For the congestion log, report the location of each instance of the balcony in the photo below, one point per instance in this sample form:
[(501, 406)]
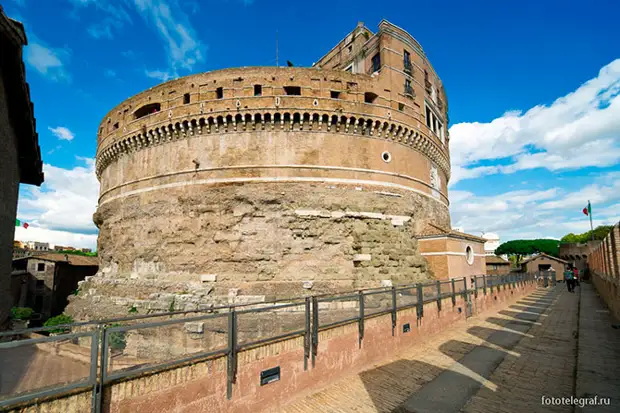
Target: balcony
[(408, 67), (373, 68), (409, 92)]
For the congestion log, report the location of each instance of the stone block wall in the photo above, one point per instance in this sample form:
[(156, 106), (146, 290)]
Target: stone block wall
[(604, 265)]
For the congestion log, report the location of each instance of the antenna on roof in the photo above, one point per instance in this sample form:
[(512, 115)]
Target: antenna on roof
[(277, 48)]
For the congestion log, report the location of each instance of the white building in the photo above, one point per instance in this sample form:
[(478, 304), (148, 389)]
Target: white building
[(38, 246), (492, 242)]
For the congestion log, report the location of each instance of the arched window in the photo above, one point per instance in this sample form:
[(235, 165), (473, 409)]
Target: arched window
[(147, 110)]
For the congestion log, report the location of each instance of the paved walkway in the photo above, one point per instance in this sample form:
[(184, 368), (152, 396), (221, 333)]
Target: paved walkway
[(505, 362)]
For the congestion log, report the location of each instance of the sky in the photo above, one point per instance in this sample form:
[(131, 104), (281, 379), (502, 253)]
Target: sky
[(533, 90)]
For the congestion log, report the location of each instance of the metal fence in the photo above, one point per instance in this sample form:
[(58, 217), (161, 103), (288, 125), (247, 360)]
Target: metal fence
[(119, 348)]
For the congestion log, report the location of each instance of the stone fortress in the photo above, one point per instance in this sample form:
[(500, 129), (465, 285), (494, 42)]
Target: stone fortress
[(255, 183)]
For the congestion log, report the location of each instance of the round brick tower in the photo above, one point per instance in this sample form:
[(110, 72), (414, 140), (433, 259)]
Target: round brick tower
[(272, 181)]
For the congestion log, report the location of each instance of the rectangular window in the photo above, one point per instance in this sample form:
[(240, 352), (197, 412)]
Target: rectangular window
[(292, 90), (407, 62), (428, 118), (115, 126), (401, 106), (335, 94), (40, 266), (369, 97), (219, 92), (376, 62), (258, 90), (349, 69), (408, 87), (186, 98)]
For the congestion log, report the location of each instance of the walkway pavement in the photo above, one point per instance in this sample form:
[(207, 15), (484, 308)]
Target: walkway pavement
[(505, 362)]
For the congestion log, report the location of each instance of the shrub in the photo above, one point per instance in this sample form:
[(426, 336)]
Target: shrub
[(59, 320), (117, 339), (21, 313)]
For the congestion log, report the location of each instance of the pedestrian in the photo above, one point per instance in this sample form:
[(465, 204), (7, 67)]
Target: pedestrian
[(568, 278), (575, 277)]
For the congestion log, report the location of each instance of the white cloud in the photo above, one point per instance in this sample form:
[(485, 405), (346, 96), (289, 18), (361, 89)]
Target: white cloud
[(62, 133), (64, 203), (173, 26), (100, 31), (109, 73), (56, 237), (578, 130), (158, 74), (546, 213), (48, 61)]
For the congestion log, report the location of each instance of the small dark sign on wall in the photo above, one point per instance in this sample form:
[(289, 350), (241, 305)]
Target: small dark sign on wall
[(406, 328), (269, 376)]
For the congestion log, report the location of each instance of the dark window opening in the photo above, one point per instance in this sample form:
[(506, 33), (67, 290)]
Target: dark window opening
[(335, 94), (401, 106), (219, 92), (40, 283), (370, 97), (38, 304), (147, 110), (40, 266), (292, 90), (408, 87), (428, 117), (186, 98), (407, 62), (349, 69), (101, 130), (376, 62), (258, 90), (115, 126)]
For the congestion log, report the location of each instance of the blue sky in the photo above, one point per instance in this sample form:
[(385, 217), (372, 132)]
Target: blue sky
[(533, 90)]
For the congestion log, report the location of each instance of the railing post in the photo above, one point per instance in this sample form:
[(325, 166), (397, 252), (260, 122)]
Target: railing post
[(232, 353), (484, 284), (475, 287), (491, 285), (420, 301), (465, 290), (361, 319), (394, 307), (453, 292), (439, 295), (94, 360), (307, 334), (315, 329)]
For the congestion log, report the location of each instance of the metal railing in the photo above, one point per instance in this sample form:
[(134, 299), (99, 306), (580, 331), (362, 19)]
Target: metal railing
[(225, 331)]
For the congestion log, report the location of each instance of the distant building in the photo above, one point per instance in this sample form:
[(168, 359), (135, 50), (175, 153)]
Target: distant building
[(38, 246), (86, 250), (492, 243), (497, 265), (543, 262), (577, 254), (44, 282), (20, 155)]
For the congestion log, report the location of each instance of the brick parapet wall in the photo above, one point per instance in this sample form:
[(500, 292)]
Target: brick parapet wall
[(604, 265), (202, 386)]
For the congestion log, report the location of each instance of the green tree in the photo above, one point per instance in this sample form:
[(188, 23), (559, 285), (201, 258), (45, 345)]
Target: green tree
[(600, 233), (520, 247)]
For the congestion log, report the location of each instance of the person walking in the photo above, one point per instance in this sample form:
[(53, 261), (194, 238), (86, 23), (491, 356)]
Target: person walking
[(568, 278), (575, 277)]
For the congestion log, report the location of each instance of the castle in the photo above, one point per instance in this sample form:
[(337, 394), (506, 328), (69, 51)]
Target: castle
[(278, 181)]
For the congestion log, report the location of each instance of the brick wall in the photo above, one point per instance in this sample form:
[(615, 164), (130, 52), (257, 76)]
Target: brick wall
[(604, 266)]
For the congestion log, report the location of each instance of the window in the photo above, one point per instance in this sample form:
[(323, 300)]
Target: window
[(335, 94), (428, 117), (469, 255), (408, 87), (292, 90), (407, 62), (376, 62), (386, 156), (370, 97), (219, 92), (258, 90), (40, 283), (115, 126), (186, 98), (147, 110), (349, 69), (401, 106), (434, 124), (40, 267)]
